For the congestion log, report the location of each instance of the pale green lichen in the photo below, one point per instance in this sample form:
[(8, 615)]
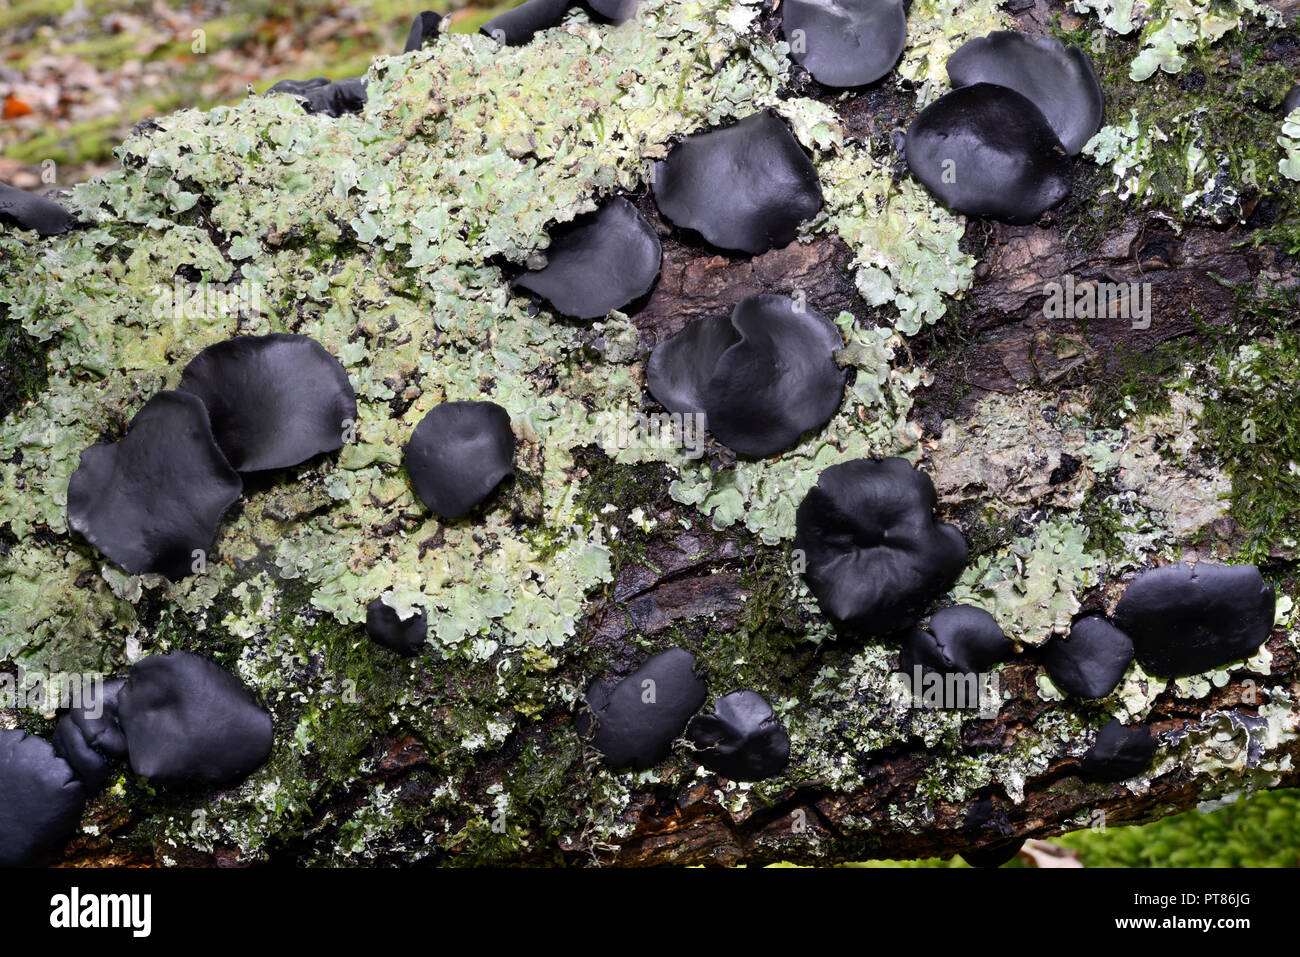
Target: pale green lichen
[(1289, 140), (935, 29)]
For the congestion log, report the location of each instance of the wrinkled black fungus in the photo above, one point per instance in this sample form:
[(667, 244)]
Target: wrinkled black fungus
[(742, 740), (1091, 661), (29, 211), (319, 95), (962, 640), (151, 500), (762, 376), (845, 43), (1118, 752), (520, 24), (458, 454), (600, 262), (1186, 620), (876, 557), (985, 150), (1057, 79), (744, 187), (88, 735), (274, 401), (386, 627), (41, 799), (187, 719), (637, 719), (425, 27), (993, 855)]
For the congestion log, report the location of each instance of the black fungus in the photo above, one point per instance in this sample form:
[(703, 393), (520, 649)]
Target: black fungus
[(187, 719), (600, 262), (1118, 752), (1291, 102), (742, 740), (152, 500), (762, 376), (961, 640), (520, 24), (616, 10), (1184, 620), (274, 401), (425, 27), (89, 734), (1091, 661), (637, 719), (876, 557), (29, 211), (458, 454), (41, 799), (744, 187), (386, 627), (985, 150), (993, 855), (845, 43), (320, 95), (1057, 79)]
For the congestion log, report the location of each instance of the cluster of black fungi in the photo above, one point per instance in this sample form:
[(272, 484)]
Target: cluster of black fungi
[(876, 558)]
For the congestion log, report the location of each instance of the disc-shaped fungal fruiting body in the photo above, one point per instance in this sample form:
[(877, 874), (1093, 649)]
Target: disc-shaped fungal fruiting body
[(425, 27), (89, 735), (520, 24), (742, 740), (153, 501), (41, 799), (744, 187), (960, 640), (28, 211), (615, 10), (320, 95), (637, 719), (1291, 102), (1184, 620), (458, 455), (187, 719), (1118, 752), (1091, 661), (875, 555), (985, 150), (386, 627), (274, 401), (845, 43), (1057, 79), (598, 263), (993, 855), (762, 376)]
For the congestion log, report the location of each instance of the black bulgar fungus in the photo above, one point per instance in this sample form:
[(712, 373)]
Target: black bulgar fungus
[(742, 740), (762, 376), (875, 555), (598, 263), (1291, 102), (986, 150), (637, 719), (1057, 79), (845, 43), (386, 627), (993, 855), (744, 187), (274, 401), (960, 640), (458, 455), (520, 24), (426, 26), (320, 95), (1118, 752), (1184, 620), (150, 501), (29, 211), (615, 10), (88, 735), (187, 719), (41, 799), (1091, 661)]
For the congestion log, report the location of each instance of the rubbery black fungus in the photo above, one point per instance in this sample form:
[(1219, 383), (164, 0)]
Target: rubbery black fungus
[(1291, 101), (1057, 79), (742, 740), (150, 501), (637, 719), (845, 43), (1184, 620), (985, 150), (744, 187), (41, 799), (386, 627), (520, 24), (876, 557), (88, 735), (29, 211), (458, 454), (1118, 752), (993, 855), (274, 401), (616, 10), (319, 95), (425, 27), (598, 263), (1091, 661), (187, 719), (762, 376), (960, 640)]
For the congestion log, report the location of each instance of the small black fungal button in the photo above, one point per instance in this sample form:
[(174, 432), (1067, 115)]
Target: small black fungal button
[(458, 455), (386, 627), (1291, 102), (41, 799), (520, 24), (29, 211), (320, 95), (1118, 752), (742, 740), (1091, 661), (89, 735), (845, 43), (993, 855), (426, 26), (961, 640)]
